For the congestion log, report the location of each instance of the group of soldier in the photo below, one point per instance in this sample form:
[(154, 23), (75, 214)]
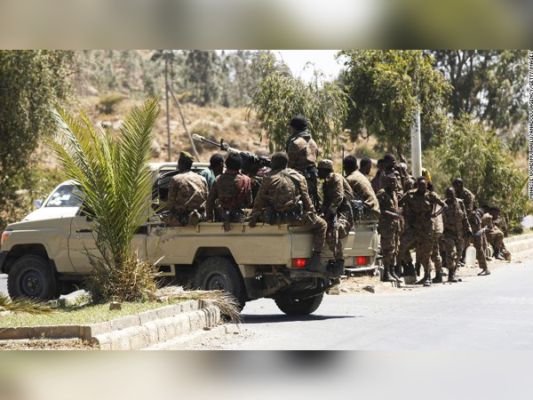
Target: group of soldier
[(409, 214)]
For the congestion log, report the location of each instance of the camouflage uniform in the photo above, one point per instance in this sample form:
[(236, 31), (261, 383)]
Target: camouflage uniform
[(495, 239), (283, 198), (389, 227), (456, 224), (478, 237), (419, 227), (362, 190), (438, 230), (337, 194), (187, 196), (303, 152), (231, 193)]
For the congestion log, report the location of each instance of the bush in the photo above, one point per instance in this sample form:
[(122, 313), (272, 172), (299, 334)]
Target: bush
[(107, 103)]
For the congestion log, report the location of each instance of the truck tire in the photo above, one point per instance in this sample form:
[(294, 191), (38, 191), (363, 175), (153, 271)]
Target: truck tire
[(31, 277), (291, 304), (220, 273)]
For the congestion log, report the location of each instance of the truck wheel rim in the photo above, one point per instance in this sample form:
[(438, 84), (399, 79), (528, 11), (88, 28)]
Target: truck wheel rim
[(31, 284), (216, 282)]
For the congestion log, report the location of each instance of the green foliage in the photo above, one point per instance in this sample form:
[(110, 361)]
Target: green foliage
[(488, 84), (386, 87), (114, 176), (281, 96), (107, 103), (477, 156), (30, 84)]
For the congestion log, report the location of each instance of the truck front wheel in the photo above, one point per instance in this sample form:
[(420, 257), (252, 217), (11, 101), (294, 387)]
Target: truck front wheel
[(31, 277), (291, 304), (219, 273)]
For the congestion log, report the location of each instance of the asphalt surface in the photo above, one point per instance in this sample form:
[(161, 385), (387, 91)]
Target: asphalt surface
[(481, 313)]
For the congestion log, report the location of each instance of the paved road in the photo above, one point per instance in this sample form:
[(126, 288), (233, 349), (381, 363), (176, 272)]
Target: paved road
[(481, 313)]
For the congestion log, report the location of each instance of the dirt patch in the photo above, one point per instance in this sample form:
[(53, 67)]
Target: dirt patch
[(46, 344)]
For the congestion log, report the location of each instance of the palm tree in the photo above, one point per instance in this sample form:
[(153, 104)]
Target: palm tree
[(113, 173)]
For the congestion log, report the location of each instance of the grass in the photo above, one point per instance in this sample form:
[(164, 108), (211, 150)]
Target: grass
[(82, 316)]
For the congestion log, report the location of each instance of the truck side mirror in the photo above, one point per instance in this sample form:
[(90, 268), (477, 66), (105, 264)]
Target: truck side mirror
[(38, 203)]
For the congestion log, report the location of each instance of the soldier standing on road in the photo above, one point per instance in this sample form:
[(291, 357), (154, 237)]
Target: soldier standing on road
[(187, 194), (361, 187), (284, 198), (230, 195), (389, 227), (420, 205), (456, 225), (468, 199), (479, 240), (216, 167), (302, 151), (336, 209), (438, 229)]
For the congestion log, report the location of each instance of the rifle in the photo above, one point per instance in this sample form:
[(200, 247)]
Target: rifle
[(248, 159)]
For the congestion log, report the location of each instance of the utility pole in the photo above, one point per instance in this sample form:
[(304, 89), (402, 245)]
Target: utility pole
[(416, 145), (168, 117)]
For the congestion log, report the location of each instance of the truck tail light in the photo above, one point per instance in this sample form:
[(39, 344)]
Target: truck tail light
[(5, 235), (299, 263), (361, 260)]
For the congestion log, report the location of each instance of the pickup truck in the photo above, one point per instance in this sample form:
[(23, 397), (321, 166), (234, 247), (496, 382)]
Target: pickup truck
[(48, 250)]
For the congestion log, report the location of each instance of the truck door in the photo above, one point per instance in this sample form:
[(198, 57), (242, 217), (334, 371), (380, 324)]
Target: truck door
[(81, 242)]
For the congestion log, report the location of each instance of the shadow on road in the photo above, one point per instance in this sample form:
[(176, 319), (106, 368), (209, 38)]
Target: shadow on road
[(265, 318)]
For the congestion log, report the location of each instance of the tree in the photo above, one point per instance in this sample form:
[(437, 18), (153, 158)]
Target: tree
[(386, 88), (478, 156), (489, 84), (202, 76), (114, 176), (30, 84), (281, 96)]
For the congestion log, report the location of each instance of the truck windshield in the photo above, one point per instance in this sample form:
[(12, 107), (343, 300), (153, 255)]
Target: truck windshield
[(65, 196)]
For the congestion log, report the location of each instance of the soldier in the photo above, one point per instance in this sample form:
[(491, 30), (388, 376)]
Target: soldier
[(479, 239), (420, 205), (216, 167), (255, 169), (365, 166), (336, 209), (437, 232), (468, 199), (389, 227), (187, 194), (495, 235), (361, 187), (456, 225), (230, 195), (376, 180), (302, 151), (284, 198)]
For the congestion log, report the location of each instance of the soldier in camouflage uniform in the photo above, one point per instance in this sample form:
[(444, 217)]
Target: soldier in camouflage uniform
[(376, 180), (187, 195), (302, 151), (495, 235), (230, 195), (420, 206), (479, 239), (456, 225), (336, 209), (284, 198), (468, 199), (361, 187), (389, 227)]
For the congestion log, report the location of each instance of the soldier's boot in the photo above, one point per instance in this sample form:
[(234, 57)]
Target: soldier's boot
[(409, 269), (451, 276), (426, 279), (393, 275), (506, 254), (418, 268), (484, 271), (385, 277), (336, 269), (315, 264), (438, 277), (398, 270)]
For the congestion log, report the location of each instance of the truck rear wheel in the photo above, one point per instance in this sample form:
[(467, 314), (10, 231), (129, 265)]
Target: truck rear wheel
[(31, 277), (291, 304), (219, 273)]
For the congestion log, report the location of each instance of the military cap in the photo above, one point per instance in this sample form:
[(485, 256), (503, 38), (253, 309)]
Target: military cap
[(326, 164), (186, 155)]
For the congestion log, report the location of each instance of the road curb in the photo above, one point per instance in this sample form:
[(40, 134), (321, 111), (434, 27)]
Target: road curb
[(131, 332), (519, 244)]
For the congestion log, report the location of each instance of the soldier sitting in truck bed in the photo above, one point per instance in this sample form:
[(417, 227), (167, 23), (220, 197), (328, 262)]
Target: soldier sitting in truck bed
[(283, 199)]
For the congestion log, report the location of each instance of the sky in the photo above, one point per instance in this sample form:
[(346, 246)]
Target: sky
[(323, 60)]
